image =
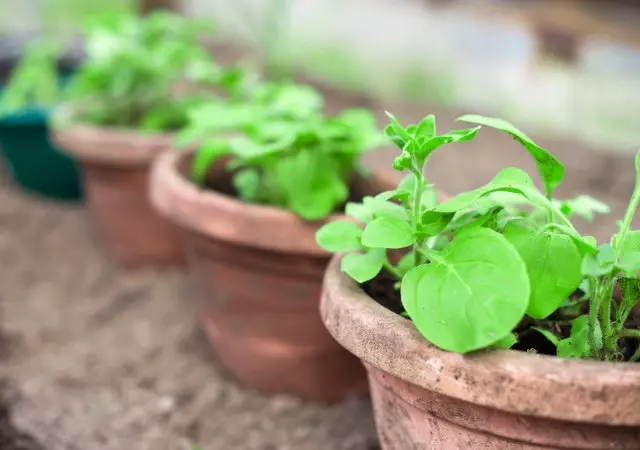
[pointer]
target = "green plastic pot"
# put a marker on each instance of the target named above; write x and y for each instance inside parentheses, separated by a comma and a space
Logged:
(33, 161)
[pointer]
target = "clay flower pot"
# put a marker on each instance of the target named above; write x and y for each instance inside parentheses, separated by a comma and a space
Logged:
(115, 167)
(425, 398)
(261, 273)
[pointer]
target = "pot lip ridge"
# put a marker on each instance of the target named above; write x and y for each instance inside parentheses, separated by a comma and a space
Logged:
(228, 219)
(106, 145)
(570, 390)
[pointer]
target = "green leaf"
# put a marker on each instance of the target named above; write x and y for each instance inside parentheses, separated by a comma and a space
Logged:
(423, 151)
(405, 264)
(427, 127)
(382, 208)
(396, 132)
(359, 212)
(507, 342)
(591, 267)
(551, 170)
(600, 263)
(397, 194)
(363, 266)
(433, 222)
(553, 265)
(463, 135)
(547, 334)
(510, 179)
(630, 264)
(471, 295)
(474, 219)
(247, 182)
(631, 242)
(339, 236)
(387, 232)
(576, 346)
(586, 244)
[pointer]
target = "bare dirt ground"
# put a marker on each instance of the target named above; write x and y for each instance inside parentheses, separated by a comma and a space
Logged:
(93, 357)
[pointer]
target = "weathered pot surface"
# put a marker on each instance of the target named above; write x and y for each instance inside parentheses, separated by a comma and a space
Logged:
(261, 272)
(425, 398)
(115, 166)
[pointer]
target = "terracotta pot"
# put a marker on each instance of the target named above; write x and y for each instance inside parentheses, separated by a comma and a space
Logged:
(261, 273)
(425, 398)
(115, 166)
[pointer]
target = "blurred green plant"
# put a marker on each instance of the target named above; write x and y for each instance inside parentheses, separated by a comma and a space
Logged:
(146, 73)
(286, 153)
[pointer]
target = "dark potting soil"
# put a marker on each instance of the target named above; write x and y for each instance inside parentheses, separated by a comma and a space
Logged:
(382, 290)
(12, 438)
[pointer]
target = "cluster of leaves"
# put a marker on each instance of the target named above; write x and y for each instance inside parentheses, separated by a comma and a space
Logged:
(146, 72)
(488, 266)
(33, 83)
(284, 151)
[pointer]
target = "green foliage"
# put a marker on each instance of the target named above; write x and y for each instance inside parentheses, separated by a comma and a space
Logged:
(504, 260)
(284, 152)
(145, 73)
(34, 81)
(489, 282)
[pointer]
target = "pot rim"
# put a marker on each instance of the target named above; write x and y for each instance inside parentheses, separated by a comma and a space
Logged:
(226, 218)
(570, 390)
(106, 145)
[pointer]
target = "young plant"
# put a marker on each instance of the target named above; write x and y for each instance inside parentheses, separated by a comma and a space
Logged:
(491, 265)
(34, 82)
(145, 73)
(286, 153)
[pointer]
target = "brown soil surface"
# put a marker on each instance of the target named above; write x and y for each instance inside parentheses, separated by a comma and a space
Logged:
(92, 357)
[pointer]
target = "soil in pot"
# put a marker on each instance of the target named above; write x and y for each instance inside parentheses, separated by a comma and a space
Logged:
(261, 274)
(425, 398)
(34, 162)
(115, 167)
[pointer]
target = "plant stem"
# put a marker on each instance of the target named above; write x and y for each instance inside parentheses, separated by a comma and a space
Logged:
(628, 217)
(593, 322)
(608, 336)
(391, 269)
(418, 189)
(631, 333)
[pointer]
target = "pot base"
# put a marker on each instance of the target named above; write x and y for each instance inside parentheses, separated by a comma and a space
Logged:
(260, 313)
(133, 233)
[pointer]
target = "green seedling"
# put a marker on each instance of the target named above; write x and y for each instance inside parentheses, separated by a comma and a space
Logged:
(490, 265)
(284, 152)
(146, 73)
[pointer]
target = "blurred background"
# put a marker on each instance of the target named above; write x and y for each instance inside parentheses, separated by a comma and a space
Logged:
(565, 71)
(567, 68)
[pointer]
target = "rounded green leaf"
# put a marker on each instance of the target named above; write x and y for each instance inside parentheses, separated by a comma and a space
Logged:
(553, 264)
(471, 296)
(339, 236)
(387, 232)
(363, 266)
